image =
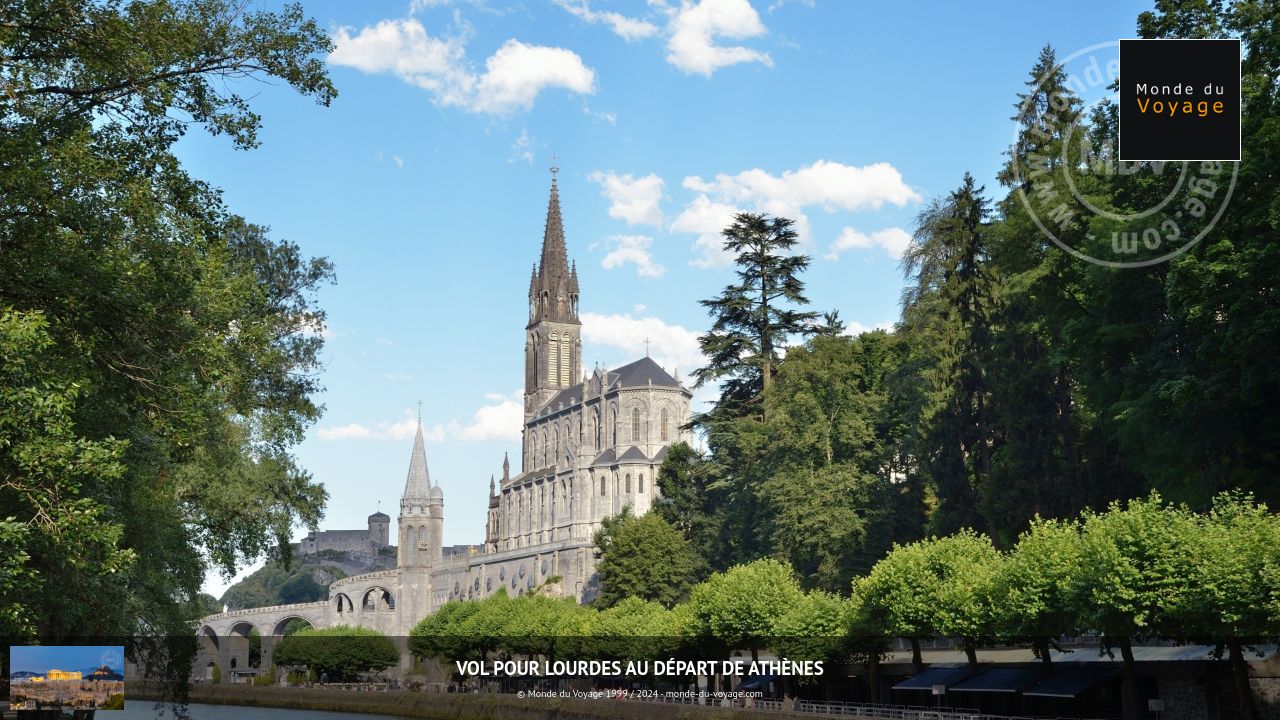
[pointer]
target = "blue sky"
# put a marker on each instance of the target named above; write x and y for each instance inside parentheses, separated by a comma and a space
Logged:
(42, 658)
(426, 183)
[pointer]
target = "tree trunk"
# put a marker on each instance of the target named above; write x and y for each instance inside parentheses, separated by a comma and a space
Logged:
(1132, 702)
(755, 653)
(1240, 671)
(971, 654)
(1042, 647)
(873, 679)
(916, 658)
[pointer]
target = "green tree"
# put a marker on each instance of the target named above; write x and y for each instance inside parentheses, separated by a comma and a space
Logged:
(1128, 575)
(742, 606)
(688, 502)
(935, 587)
(1033, 591)
(186, 337)
(949, 301)
(56, 535)
(341, 652)
(753, 318)
(1232, 571)
(826, 409)
(627, 548)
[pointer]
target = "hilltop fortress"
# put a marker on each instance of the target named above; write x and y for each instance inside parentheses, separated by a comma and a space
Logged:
(592, 444)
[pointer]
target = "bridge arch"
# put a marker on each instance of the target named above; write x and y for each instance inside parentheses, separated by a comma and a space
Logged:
(282, 625)
(343, 604)
(378, 599)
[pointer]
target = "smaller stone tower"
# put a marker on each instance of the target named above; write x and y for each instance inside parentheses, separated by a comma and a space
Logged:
(380, 529)
(421, 513)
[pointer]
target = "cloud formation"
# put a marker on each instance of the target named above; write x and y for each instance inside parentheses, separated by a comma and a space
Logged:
(637, 201)
(512, 79)
(694, 28)
(624, 27)
(706, 219)
(893, 240)
(634, 249)
(402, 429)
(671, 346)
(830, 186)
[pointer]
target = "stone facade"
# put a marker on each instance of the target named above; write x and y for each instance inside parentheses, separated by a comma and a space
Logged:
(592, 445)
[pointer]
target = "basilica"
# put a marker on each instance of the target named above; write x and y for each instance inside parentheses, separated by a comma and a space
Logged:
(592, 445)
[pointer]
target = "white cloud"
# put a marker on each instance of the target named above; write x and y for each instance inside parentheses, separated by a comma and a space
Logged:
(398, 160)
(638, 201)
(706, 219)
(671, 346)
(694, 28)
(516, 73)
(512, 79)
(402, 429)
(627, 28)
(501, 419)
(398, 377)
(853, 327)
(829, 185)
(640, 307)
(522, 148)
(633, 249)
(893, 240)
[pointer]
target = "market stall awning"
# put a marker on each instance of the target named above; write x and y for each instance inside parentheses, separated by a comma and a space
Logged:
(934, 675)
(1072, 681)
(1001, 680)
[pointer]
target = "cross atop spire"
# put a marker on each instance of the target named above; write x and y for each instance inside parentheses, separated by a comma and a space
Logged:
(554, 169)
(419, 410)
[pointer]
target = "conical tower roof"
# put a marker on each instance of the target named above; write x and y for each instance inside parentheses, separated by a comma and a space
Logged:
(418, 484)
(554, 264)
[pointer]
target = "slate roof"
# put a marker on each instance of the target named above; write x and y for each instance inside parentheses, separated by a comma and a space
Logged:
(634, 374)
(641, 372)
(634, 454)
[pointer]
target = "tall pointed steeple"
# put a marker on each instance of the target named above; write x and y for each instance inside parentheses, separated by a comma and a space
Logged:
(553, 337)
(418, 483)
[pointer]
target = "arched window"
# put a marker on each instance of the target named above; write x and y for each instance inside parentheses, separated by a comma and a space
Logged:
(566, 357)
(635, 424)
(627, 487)
(664, 425)
(553, 358)
(546, 449)
(602, 486)
(641, 482)
(555, 457)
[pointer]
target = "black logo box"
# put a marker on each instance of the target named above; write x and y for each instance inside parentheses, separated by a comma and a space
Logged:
(1160, 77)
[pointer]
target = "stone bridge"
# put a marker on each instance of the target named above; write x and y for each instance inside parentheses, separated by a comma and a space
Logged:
(225, 637)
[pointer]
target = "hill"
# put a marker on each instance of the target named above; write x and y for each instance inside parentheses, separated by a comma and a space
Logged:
(305, 580)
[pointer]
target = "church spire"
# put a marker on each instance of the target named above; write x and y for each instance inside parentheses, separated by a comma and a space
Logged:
(554, 285)
(418, 483)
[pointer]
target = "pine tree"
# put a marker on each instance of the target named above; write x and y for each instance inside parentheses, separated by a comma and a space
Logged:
(951, 303)
(754, 318)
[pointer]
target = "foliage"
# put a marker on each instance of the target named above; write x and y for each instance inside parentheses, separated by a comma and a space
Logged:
(742, 606)
(303, 580)
(168, 347)
(644, 558)
(342, 652)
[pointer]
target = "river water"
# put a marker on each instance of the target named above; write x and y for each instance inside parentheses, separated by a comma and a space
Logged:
(146, 710)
